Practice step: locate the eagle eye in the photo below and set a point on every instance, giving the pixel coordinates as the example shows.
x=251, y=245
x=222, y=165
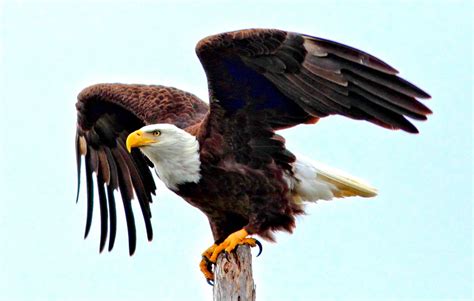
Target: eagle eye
x=156, y=133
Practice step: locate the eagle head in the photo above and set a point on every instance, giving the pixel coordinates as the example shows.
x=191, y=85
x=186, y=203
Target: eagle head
x=173, y=151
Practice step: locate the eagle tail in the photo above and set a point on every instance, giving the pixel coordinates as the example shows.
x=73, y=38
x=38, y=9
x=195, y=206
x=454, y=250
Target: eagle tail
x=346, y=184
x=317, y=181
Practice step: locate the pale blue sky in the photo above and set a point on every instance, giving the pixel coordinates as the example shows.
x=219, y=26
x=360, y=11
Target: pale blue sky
x=414, y=241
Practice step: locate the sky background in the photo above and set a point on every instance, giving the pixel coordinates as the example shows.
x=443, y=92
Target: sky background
x=414, y=241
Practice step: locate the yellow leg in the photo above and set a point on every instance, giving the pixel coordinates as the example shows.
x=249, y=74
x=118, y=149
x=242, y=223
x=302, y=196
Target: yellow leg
x=206, y=263
x=209, y=257
x=231, y=242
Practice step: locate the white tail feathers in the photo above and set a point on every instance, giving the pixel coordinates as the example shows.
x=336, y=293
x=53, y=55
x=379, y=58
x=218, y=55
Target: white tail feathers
x=314, y=181
x=346, y=184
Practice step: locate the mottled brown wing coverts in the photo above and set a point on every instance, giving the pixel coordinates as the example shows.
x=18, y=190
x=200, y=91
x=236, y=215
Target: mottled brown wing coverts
x=107, y=113
x=320, y=76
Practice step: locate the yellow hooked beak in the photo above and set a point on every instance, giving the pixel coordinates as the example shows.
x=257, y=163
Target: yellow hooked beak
x=137, y=139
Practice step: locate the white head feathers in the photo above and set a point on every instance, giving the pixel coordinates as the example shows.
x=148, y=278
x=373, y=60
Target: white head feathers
x=175, y=155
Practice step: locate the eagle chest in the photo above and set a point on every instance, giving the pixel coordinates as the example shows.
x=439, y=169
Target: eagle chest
x=219, y=191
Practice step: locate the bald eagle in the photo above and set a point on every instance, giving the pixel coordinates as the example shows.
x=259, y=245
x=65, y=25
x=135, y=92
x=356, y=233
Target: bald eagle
x=225, y=157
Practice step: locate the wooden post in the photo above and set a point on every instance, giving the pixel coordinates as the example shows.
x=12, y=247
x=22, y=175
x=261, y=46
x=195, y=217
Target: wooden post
x=233, y=276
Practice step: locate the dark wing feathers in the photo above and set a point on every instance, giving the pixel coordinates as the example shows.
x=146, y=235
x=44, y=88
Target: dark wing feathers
x=111, y=186
x=138, y=182
x=319, y=76
x=126, y=191
x=90, y=194
x=322, y=48
x=113, y=216
x=107, y=113
x=104, y=216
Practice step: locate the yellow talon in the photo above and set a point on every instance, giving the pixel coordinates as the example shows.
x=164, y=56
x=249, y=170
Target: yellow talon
x=205, y=263
x=204, y=267
x=231, y=242
x=209, y=257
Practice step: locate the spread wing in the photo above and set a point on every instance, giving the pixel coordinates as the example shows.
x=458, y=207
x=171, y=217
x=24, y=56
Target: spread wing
x=106, y=114
x=293, y=78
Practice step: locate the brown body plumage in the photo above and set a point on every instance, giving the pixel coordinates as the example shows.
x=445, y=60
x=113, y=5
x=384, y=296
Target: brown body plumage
x=259, y=81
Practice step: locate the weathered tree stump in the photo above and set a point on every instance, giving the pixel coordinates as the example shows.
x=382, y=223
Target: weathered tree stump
x=233, y=276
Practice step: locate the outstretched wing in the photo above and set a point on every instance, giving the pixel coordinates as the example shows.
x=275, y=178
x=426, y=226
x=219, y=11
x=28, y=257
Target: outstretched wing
x=296, y=78
x=106, y=114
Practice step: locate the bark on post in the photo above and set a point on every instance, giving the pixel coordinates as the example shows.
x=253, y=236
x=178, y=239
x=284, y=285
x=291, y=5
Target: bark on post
x=233, y=276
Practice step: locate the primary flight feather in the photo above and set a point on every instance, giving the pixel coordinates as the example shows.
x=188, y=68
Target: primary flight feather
x=225, y=158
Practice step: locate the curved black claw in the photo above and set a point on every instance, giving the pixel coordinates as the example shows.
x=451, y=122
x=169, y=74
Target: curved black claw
x=209, y=264
x=260, y=247
x=210, y=282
